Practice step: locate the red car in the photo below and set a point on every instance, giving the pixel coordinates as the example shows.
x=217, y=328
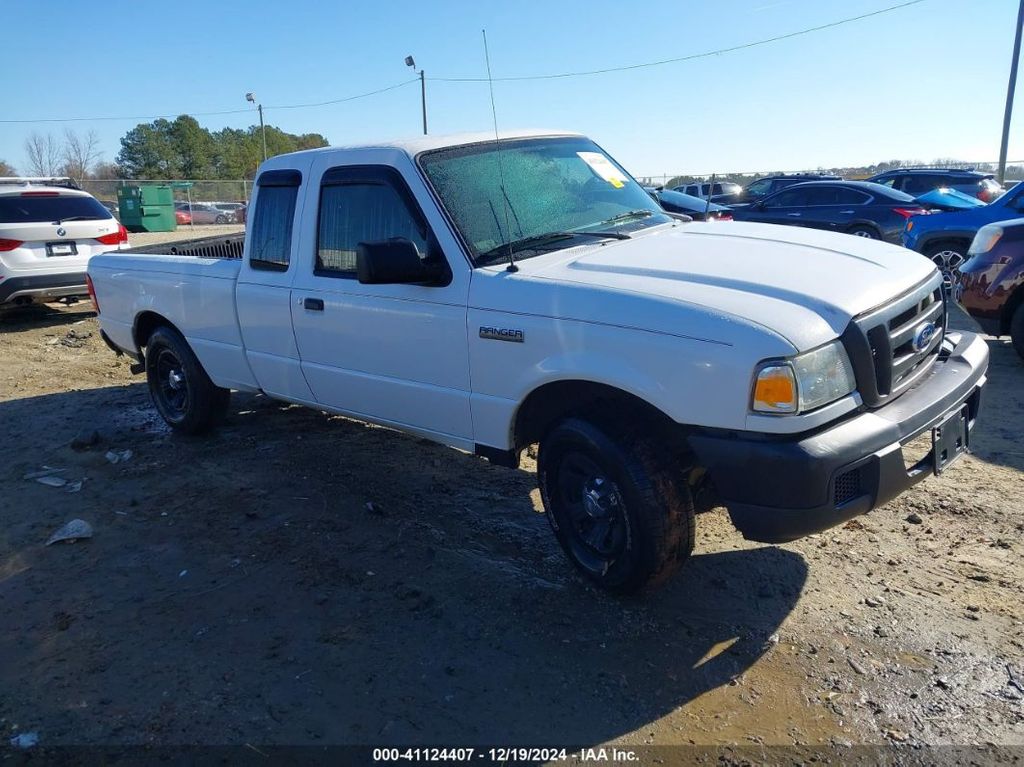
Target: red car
x=182, y=217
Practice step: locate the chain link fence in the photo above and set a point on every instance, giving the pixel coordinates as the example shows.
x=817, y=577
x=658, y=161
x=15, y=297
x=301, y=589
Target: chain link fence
x=196, y=191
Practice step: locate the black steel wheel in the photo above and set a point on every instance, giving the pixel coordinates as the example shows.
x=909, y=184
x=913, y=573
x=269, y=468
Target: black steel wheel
x=617, y=501
x=182, y=392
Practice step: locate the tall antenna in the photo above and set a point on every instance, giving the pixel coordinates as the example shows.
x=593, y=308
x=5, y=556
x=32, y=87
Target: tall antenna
x=501, y=167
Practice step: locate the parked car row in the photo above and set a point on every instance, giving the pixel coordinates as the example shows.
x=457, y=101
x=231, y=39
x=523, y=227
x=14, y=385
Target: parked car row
x=210, y=212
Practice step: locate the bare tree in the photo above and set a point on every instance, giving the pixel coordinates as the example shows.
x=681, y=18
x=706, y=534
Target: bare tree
x=44, y=155
x=80, y=154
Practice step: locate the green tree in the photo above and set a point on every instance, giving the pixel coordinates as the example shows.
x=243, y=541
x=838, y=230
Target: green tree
x=148, y=152
x=185, y=149
x=6, y=169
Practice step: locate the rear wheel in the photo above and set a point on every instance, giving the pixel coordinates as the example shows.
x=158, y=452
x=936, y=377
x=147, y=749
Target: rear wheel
x=184, y=395
x=617, y=501
x=1017, y=330
x=864, y=231
x=221, y=220
x=948, y=257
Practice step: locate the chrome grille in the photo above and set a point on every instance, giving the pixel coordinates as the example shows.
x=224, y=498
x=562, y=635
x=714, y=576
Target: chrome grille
x=888, y=347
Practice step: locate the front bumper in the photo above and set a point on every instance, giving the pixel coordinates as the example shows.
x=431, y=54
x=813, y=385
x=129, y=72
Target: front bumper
x=43, y=287
x=778, y=490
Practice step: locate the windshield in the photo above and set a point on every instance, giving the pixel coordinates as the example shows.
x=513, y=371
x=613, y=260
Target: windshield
x=551, y=185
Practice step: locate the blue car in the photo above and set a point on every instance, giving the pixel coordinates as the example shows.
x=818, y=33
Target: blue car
x=945, y=237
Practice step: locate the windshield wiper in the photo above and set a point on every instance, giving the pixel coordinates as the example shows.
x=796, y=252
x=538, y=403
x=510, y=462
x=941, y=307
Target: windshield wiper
x=59, y=221
x=628, y=215
x=536, y=240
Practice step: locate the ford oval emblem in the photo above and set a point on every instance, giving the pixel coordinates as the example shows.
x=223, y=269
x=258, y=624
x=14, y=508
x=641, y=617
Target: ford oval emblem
x=61, y=231
x=923, y=336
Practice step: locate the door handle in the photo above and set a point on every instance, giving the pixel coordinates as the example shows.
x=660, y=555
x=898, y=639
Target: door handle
x=848, y=212
x=794, y=214
x=313, y=304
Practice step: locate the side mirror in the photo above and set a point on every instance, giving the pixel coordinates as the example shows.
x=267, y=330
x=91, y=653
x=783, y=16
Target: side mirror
x=395, y=261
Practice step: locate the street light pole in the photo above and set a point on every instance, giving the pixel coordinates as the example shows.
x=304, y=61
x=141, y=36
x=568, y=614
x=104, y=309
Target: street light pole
x=1009, y=94
x=251, y=98
x=411, y=62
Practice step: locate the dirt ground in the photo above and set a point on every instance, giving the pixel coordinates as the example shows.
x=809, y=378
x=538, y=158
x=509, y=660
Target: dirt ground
x=300, y=578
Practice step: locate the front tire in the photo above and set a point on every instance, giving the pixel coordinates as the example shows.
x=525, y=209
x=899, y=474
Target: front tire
x=948, y=257
x=1017, y=330
x=617, y=501
x=221, y=220
x=182, y=392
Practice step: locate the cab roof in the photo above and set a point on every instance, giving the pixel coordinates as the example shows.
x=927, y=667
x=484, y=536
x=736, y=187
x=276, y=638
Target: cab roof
x=416, y=145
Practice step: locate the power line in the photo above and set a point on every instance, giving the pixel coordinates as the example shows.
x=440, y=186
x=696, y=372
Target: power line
x=212, y=114
x=691, y=57
x=347, y=98
x=520, y=78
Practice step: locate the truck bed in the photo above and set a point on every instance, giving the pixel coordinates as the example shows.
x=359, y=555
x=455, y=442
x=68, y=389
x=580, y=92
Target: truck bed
x=220, y=246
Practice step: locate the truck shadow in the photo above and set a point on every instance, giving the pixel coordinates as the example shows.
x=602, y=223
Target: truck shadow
x=43, y=316
x=301, y=578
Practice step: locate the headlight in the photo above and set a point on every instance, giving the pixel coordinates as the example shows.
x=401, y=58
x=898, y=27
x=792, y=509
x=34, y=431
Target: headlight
x=804, y=382
x=985, y=239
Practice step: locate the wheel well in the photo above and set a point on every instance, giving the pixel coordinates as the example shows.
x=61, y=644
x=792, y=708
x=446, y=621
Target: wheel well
x=145, y=324
x=864, y=225
x=1015, y=300
x=554, y=401
x=938, y=242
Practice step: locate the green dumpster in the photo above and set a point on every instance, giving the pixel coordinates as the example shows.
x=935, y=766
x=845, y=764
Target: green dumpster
x=147, y=208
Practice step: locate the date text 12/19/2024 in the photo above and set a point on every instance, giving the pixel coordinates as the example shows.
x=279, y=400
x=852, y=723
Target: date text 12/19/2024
x=504, y=755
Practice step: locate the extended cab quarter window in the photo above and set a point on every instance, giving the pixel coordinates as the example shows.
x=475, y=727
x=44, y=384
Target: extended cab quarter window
x=271, y=239
x=362, y=206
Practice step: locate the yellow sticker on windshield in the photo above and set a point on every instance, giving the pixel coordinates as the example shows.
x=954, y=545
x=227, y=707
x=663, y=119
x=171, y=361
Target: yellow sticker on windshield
x=603, y=167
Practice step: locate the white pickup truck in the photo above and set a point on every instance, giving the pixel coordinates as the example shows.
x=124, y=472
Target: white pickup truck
x=494, y=294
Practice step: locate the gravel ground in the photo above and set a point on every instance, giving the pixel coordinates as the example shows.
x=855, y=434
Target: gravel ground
x=300, y=578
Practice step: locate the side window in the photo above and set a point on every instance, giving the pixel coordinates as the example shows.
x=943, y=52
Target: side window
x=760, y=187
x=889, y=182
x=270, y=241
x=355, y=210
x=787, y=199
x=846, y=196
x=920, y=184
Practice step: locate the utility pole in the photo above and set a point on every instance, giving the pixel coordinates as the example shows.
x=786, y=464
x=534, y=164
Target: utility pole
x=411, y=62
x=1009, y=94
x=251, y=97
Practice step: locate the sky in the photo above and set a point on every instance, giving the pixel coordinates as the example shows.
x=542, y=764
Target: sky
x=922, y=82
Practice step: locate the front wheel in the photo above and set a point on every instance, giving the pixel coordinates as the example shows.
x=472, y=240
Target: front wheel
x=1017, y=330
x=221, y=220
x=617, y=501
x=183, y=393
x=948, y=257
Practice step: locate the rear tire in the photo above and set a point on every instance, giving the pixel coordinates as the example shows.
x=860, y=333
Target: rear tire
x=182, y=392
x=617, y=500
x=221, y=220
x=1017, y=330
x=864, y=231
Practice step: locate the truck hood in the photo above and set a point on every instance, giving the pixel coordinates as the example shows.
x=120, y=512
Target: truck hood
x=802, y=284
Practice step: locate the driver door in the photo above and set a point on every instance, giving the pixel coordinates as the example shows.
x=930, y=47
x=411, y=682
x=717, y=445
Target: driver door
x=394, y=354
